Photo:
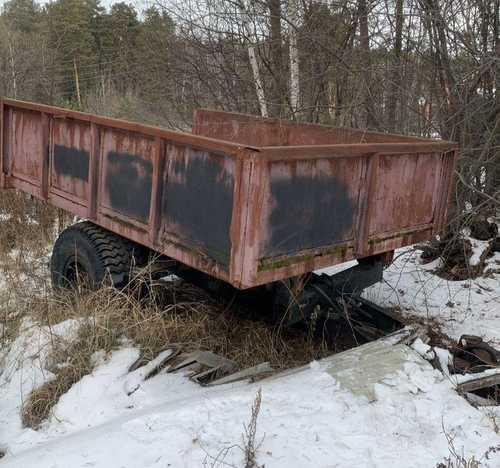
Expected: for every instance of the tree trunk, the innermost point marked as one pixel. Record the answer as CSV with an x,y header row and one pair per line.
x,y
294,57
13,68
259,89
395,76
278,97
369,120
496,42
254,64
77,84
451,125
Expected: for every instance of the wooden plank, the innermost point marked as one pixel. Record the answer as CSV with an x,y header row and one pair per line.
x,y
359,369
481,380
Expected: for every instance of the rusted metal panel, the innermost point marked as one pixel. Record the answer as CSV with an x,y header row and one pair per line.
x,y
26,146
404,192
158,159
309,204
124,125
364,205
252,130
246,200
46,124
3,143
198,201
445,189
241,249
127,174
94,171
70,157
366,202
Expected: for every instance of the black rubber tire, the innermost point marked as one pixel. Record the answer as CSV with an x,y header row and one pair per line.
x,y
99,255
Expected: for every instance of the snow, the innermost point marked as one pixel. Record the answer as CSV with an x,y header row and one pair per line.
x,y
423,349
459,307
308,418
22,369
479,247
314,423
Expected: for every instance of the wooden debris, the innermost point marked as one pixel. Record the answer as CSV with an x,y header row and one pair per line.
x,y
250,373
474,382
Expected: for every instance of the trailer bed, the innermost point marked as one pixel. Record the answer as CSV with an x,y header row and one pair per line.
x,y
244,199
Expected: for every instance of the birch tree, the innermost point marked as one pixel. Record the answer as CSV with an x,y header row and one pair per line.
x,y
293,21
252,56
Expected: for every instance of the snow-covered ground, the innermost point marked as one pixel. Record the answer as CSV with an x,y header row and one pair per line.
x,y
114,418
460,307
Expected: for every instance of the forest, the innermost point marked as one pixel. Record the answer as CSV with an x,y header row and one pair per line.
x,y
421,67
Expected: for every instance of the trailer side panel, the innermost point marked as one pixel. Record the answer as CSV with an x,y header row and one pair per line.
x,y
155,187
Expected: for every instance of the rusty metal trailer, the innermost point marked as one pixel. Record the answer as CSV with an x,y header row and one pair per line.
x,y
247,200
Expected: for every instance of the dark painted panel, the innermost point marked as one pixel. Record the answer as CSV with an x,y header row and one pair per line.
x,y
308,212
128,183
199,202
71,162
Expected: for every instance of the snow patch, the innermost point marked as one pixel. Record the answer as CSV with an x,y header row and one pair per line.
x,y
22,369
306,420
459,307
478,249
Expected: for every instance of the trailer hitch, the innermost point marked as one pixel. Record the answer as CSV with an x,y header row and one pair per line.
x,y
337,297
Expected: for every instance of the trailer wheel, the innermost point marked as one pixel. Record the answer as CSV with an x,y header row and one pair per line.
x,y
86,254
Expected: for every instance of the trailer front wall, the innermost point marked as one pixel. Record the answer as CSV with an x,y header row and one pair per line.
x,y
252,130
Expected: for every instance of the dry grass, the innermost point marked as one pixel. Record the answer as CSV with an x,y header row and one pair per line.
x,y
456,458
27,225
250,443
459,462
174,313
26,229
